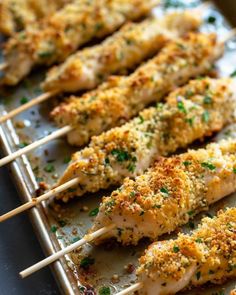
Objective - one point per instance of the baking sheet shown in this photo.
(112, 266)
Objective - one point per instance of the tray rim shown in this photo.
(37, 215)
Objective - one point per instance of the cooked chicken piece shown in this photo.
(59, 35)
(16, 15)
(233, 292)
(208, 255)
(124, 50)
(101, 110)
(129, 150)
(169, 193)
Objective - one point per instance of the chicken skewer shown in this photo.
(207, 255)
(129, 150)
(59, 35)
(163, 198)
(122, 98)
(132, 44)
(100, 110)
(17, 15)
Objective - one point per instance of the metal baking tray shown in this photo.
(60, 225)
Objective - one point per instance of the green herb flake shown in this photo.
(106, 161)
(208, 166)
(233, 74)
(191, 213)
(211, 19)
(198, 240)
(131, 167)
(191, 225)
(176, 249)
(181, 107)
(187, 163)
(104, 291)
(207, 99)
(62, 223)
(205, 117)
(22, 144)
(23, 100)
(198, 275)
(45, 54)
(132, 194)
(164, 190)
(94, 212)
(86, 262)
(53, 228)
(49, 168)
(234, 170)
(66, 159)
(141, 120)
(76, 239)
(120, 155)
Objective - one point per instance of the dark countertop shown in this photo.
(19, 249)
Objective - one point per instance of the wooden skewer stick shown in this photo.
(36, 201)
(66, 250)
(27, 105)
(58, 133)
(131, 289)
(3, 66)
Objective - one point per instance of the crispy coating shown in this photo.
(169, 193)
(191, 112)
(208, 255)
(98, 111)
(54, 38)
(17, 15)
(133, 43)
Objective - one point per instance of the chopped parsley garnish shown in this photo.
(131, 167)
(198, 240)
(205, 116)
(94, 212)
(208, 166)
(98, 26)
(76, 239)
(53, 228)
(66, 159)
(62, 223)
(189, 93)
(24, 100)
(45, 54)
(209, 215)
(104, 291)
(164, 190)
(106, 161)
(234, 170)
(181, 107)
(132, 194)
(191, 225)
(207, 99)
(190, 213)
(22, 144)
(157, 206)
(176, 249)
(211, 19)
(233, 74)
(49, 168)
(120, 155)
(198, 275)
(190, 121)
(86, 262)
(141, 119)
(187, 163)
